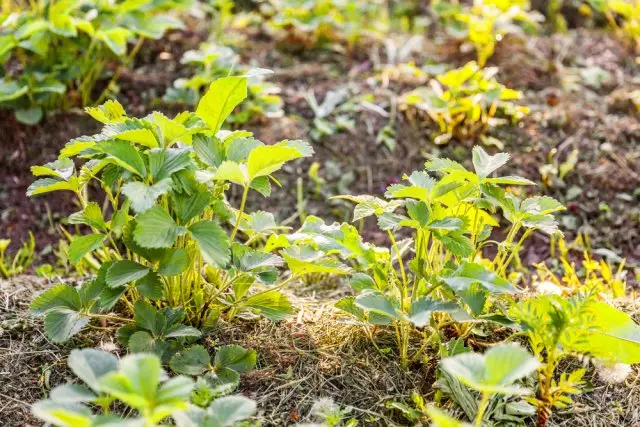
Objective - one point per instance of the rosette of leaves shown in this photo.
(465, 103)
(494, 372)
(558, 327)
(486, 22)
(449, 220)
(158, 331)
(166, 239)
(217, 376)
(138, 382)
(63, 47)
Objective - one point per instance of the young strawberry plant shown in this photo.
(162, 236)
(558, 327)
(486, 22)
(56, 51)
(450, 221)
(465, 103)
(138, 382)
(492, 373)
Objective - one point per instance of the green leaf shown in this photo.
(62, 169)
(233, 172)
(212, 241)
(62, 414)
(58, 297)
(156, 229)
(151, 286)
(72, 393)
(495, 371)
(236, 358)
(115, 39)
(176, 391)
(83, 245)
(29, 116)
(189, 206)
(421, 310)
(229, 410)
(209, 150)
(418, 211)
(136, 381)
(440, 418)
(446, 224)
(60, 325)
(132, 130)
(273, 305)
(457, 244)
(143, 196)
(616, 337)
(469, 273)
(306, 260)
(91, 215)
(348, 305)
(266, 159)
(172, 131)
(47, 185)
(142, 342)
(148, 317)
(90, 365)
(484, 164)
(165, 162)
(219, 101)
(109, 112)
(377, 303)
(124, 155)
(124, 272)
(509, 180)
(174, 262)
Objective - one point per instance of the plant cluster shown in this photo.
(55, 52)
(139, 383)
(466, 102)
(450, 220)
(165, 183)
(312, 23)
(486, 22)
(438, 275)
(211, 62)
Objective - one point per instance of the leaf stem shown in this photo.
(240, 212)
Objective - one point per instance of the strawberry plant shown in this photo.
(486, 22)
(211, 62)
(559, 327)
(55, 52)
(312, 23)
(450, 221)
(494, 372)
(138, 382)
(465, 103)
(162, 236)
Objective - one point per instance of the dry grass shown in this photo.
(315, 355)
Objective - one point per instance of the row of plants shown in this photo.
(175, 257)
(54, 54)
